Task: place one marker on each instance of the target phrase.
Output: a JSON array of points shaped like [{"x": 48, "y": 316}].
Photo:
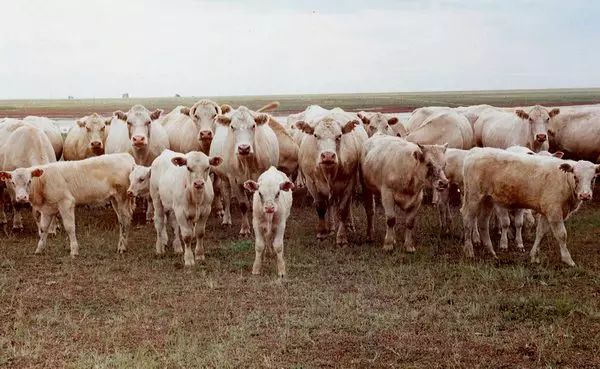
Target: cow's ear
[
  {"x": 286, "y": 186},
  {"x": 554, "y": 112},
  {"x": 81, "y": 122},
  {"x": 363, "y": 117},
  {"x": 551, "y": 133},
  {"x": 349, "y": 127},
  {"x": 261, "y": 119},
  {"x": 558, "y": 154},
  {"x": 185, "y": 111},
  {"x": 418, "y": 154},
  {"x": 37, "y": 172},
  {"x": 567, "y": 168},
  {"x": 223, "y": 120},
  {"x": 304, "y": 127},
  {"x": 156, "y": 114},
  {"x": 120, "y": 115},
  {"x": 598, "y": 169},
  {"x": 445, "y": 147},
  {"x": 108, "y": 121},
  {"x": 215, "y": 161},
  {"x": 5, "y": 176},
  {"x": 179, "y": 161},
  {"x": 393, "y": 120},
  {"x": 251, "y": 186},
  {"x": 521, "y": 114},
  {"x": 226, "y": 108}
]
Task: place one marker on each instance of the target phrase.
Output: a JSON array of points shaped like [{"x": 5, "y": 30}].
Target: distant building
[
  {"x": 70, "y": 97},
  {"x": 125, "y": 95},
  {"x": 177, "y": 95}
]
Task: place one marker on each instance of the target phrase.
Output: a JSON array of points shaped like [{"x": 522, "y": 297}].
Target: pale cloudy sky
[{"x": 102, "y": 48}]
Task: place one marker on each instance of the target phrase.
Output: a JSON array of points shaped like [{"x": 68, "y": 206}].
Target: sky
[{"x": 150, "y": 48}]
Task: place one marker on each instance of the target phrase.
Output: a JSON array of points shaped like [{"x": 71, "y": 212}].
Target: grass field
[
  {"x": 353, "y": 307},
  {"x": 384, "y": 102}
]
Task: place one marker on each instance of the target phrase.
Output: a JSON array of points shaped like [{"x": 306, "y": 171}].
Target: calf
[
  {"x": 181, "y": 189},
  {"x": 56, "y": 188},
  {"x": 398, "y": 171},
  {"x": 271, "y": 206},
  {"x": 552, "y": 187}
]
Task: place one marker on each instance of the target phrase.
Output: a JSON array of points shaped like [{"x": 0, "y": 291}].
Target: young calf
[
  {"x": 56, "y": 188},
  {"x": 180, "y": 185},
  {"x": 271, "y": 206}
]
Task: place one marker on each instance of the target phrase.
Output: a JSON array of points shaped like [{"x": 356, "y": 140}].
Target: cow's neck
[{"x": 141, "y": 155}]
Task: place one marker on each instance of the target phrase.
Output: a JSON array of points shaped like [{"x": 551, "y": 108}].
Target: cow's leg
[
  {"x": 409, "y": 224},
  {"x": 504, "y": 220},
  {"x": 177, "y": 248},
  {"x": 17, "y": 217},
  {"x": 331, "y": 217},
  {"x": 244, "y": 207},
  {"x": 227, "y": 193},
  {"x": 519, "y": 219},
  {"x": 469, "y": 214},
  {"x": 560, "y": 233},
  {"x": 259, "y": 248},
  {"x": 149, "y": 209},
  {"x": 343, "y": 215},
  {"x": 369, "y": 204},
  {"x": 540, "y": 231},
  {"x": 486, "y": 210},
  {"x": 67, "y": 213},
  {"x": 389, "y": 207},
  {"x": 217, "y": 203},
  {"x": 321, "y": 206},
  {"x": 3, "y": 219},
  {"x": 199, "y": 230},
  {"x": 187, "y": 233},
  {"x": 45, "y": 220},
  {"x": 123, "y": 207},
  {"x": 159, "y": 226},
  {"x": 278, "y": 248}
]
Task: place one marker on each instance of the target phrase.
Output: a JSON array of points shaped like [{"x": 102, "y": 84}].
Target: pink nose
[
  {"x": 269, "y": 209},
  {"x": 20, "y": 198},
  {"x": 540, "y": 138},
  {"x": 244, "y": 149},
  {"x": 442, "y": 184},
  {"x": 139, "y": 140},
  {"x": 129, "y": 194},
  {"x": 96, "y": 145},
  {"x": 585, "y": 196},
  {"x": 328, "y": 157},
  {"x": 198, "y": 185},
  {"x": 206, "y": 135}
]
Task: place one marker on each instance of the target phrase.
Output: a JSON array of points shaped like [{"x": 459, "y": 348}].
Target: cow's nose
[
  {"x": 540, "y": 138},
  {"x": 206, "y": 135},
  {"x": 138, "y": 140},
  {"x": 244, "y": 149},
  {"x": 21, "y": 198},
  {"x": 269, "y": 209},
  {"x": 129, "y": 193},
  {"x": 328, "y": 157},
  {"x": 198, "y": 185},
  {"x": 585, "y": 196},
  {"x": 442, "y": 184},
  {"x": 96, "y": 145}
]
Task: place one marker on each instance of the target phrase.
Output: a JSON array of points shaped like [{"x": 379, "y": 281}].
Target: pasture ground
[
  {"x": 382, "y": 102},
  {"x": 353, "y": 307}
]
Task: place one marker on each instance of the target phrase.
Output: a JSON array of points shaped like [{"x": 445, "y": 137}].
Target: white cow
[
  {"x": 86, "y": 138},
  {"x": 271, "y": 206}
]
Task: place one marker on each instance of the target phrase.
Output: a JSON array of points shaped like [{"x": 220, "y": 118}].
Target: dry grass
[
  {"x": 384, "y": 102},
  {"x": 354, "y": 307}
]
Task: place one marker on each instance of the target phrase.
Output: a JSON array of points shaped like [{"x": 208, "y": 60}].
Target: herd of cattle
[{"x": 193, "y": 161}]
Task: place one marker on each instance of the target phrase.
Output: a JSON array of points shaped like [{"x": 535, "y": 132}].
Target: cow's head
[
  {"x": 94, "y": 132},
  {"x": 242, "y": 128},
  {"x": 139, "y": 181},
  {"x": 584, "y": 173},
  {"x": 139, "y": 124},
  {"x": 432, "y": 162},
  {"x": 20, "y": 180},
  {"x": 198, "y": 167},
  {"x": 378, "y": 122},
  {"x": 268, "y": 188},
  {"x": 328, "y": 134},
  {"x": 203, "y": 113},
  {"x": 538, "y": 119}
]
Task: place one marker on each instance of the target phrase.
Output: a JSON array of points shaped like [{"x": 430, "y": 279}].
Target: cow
[
  {"x": 51, "y": 130},
  {"x": 86, "y": 138},
  {"x": 139, "y": 182},
  {"x": 398, "y": 171},
  {"x": 446, "y": 126},
  {"x": 25, "y": 147},
  {"x": 502, "y": 129},
  {"x": 552, "y": 187},
  {"x": 575, "y": 132},
  {"x": 329, "y": 160},
  {"x": 378, "y": 122},
  {"x": 249, "y": 147},
  {"x": 182, "y": 191},
  {"x": 271, "y": 207},
  {"x": 419, "y": 115},
  {"x": 56, "y": 188},
  {"x": 139, "y": 133}
]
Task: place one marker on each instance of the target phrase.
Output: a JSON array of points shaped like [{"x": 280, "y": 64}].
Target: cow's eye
[
  {"x": 338, "y": 137},
  {"x": 128, "y": 123},
  {"x": 102, "y": 129},
  {"x": 148, "y": 122},
  {"x": 189, "y": 169},
  {"x": 314, "y": 134},
  {"x": 141, "y": 179},
  {"x": 277, "y": 195}
]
